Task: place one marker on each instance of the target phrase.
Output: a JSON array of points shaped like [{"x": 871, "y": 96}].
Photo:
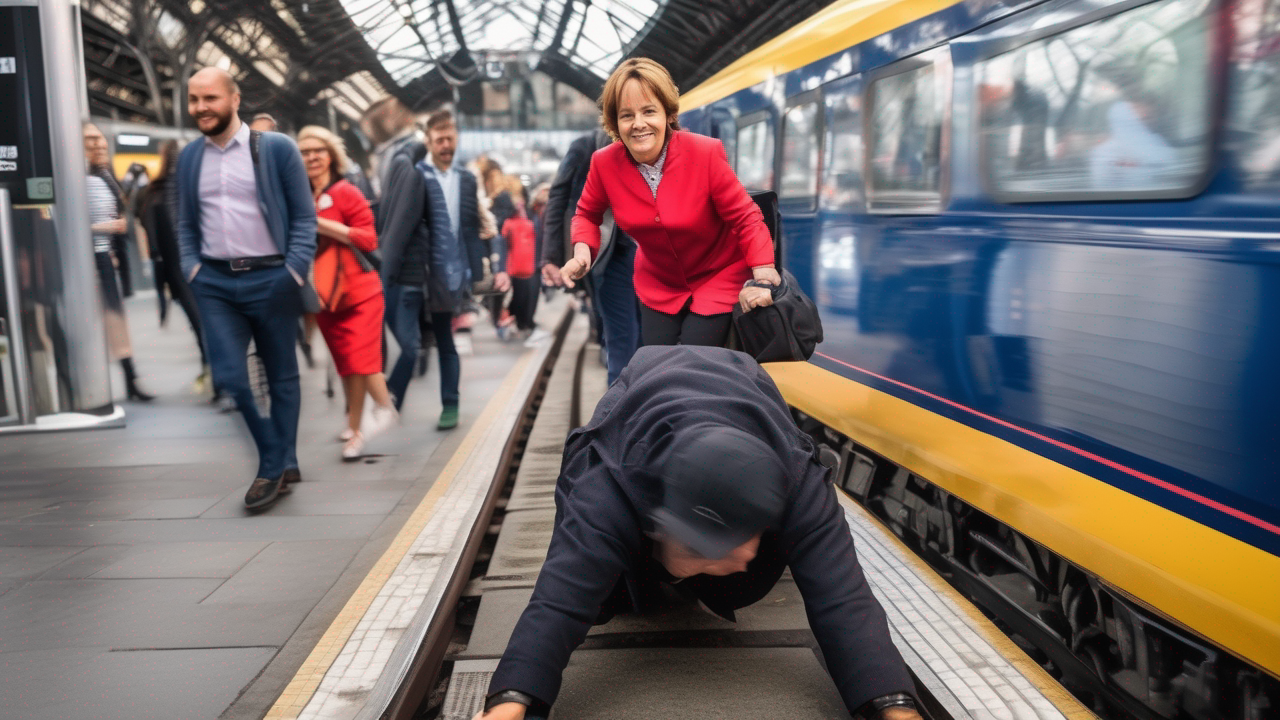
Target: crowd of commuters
[{"x": 258, "y": 236}]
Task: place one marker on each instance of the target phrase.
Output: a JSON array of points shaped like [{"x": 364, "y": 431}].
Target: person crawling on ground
[{"x": 692, "y": 482}]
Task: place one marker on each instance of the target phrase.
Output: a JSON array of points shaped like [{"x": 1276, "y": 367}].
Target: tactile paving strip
[
  {"x": 364, "y": 652},
  {"x": 946, "y": 646}
]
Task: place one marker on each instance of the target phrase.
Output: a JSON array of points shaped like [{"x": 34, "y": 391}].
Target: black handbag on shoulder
[{"x": 787, "y": 331}]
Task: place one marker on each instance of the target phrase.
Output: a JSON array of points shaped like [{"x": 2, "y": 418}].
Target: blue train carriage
[{"x": 1044, "y": 239}]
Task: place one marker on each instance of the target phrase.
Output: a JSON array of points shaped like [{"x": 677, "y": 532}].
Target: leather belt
[{"x": 246, "y": 263}]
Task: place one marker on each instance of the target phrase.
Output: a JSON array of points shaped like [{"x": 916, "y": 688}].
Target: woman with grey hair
[{"x": 349, "y": 288}]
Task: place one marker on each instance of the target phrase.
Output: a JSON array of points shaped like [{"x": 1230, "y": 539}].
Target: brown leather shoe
[
  {"x": 291, "y": 476},
  {"x": 263, "y": 492}
]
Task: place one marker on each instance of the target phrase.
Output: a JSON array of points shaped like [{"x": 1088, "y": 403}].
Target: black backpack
[{"x": 789, "y": 329}]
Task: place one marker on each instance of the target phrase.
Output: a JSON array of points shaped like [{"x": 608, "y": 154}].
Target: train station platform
[{"x": 134, "y": 584}]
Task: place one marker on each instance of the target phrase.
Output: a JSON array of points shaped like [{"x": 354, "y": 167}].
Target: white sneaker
[
  {"x": 539, "y": 335},
  {"x": 380, "y": 420},
  {"x": 346, "y": 434},
  {"x": 462, "y": 341},
  {"x": 354, "y": 449}
]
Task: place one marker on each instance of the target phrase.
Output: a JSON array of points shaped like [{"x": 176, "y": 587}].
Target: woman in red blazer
[
  {"x": 350, "y": 291},
  {"x": 699, "y": 236}
]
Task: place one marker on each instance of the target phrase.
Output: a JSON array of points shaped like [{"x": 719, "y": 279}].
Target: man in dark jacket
[
  {"x": 609, "y": 282},
  {"x": 691, "y": 478},
  {"x": 423, "y": 266}
]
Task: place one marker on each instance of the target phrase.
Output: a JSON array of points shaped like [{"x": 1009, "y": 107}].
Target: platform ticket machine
[{"x": 53, "y": 353}]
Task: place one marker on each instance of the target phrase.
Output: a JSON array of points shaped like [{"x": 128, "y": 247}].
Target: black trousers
[
  {"x": 684, "y": 328},
  {"x": 524, "y": 299}
]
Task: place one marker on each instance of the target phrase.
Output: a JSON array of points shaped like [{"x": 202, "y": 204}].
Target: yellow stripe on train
[
  {"x": 1223, "y": 589},
  {"x": 837, "y": 27}
]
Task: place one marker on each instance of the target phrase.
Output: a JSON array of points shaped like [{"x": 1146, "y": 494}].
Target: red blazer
[
  {"x": 351, "y": 209},
  {"x": 699, "y": 238}
]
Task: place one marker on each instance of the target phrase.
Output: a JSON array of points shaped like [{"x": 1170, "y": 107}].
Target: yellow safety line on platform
[
  {"x": 1036, "y": 675},
  {"x": 303, "y": 686}
]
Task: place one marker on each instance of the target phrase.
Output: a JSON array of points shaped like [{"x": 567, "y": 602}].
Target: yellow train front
[{"x": 1043, "y": 237}]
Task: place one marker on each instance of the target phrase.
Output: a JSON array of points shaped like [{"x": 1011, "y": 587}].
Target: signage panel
[{"x": 26, "y": 158}]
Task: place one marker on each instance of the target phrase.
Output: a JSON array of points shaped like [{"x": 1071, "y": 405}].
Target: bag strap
[
  {"x": 255, "y": 139},
  {"x": 366, "y": 265}
]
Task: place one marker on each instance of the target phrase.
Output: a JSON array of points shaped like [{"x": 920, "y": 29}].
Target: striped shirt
[{"x": 103, "y": 206}]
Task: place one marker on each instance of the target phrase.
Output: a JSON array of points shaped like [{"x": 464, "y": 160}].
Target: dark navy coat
[{"x": 609, "y": 484}]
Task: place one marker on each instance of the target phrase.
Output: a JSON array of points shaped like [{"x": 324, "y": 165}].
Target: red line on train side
[{"x": 1151, "y": 479}]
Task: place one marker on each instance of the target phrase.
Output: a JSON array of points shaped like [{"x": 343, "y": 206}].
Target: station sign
[{"x": 26, "y": 153}]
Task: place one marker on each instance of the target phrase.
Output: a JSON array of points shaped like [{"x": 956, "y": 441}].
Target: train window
[
  {"x": 842, "y": 177},
  {"x": 1255, "y": 102},
  {"x": 908, "y": 111},
  {"x": 1116, "y": 109},
  {"x": 725, "y": 129},
  {"x": 755, "y": 155},
  {"x": 800, "y": 141}
]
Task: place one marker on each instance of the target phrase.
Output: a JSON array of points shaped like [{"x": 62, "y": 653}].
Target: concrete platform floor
[{"x": 133, "y": 584}]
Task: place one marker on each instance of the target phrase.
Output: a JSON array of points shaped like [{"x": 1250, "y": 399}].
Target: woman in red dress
[
  {"x": 350, "y": 292},
  {"x": 699, "y": 236}
]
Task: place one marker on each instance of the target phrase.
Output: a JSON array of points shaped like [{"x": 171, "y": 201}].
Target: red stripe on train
[{"x": 1150, "y": 479}]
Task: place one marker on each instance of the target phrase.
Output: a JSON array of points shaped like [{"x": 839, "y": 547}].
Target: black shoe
[
  {"x": 131, "y": 382},
  {"x": 136, "y": 393},
  {"x": 263, "y": 492},
  {"x": 291, "y": 476}
]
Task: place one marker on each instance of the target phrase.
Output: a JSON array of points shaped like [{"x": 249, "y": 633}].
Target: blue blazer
[{"x": 284, "y": 194}]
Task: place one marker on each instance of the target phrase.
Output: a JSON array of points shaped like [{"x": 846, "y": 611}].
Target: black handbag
[{"x": 787, "y": 330}]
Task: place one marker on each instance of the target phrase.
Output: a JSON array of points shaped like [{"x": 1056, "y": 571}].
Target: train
[{"x": 1044, "y": 240}]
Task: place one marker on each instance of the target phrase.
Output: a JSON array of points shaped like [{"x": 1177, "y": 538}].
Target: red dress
[
  {"x": 352, "y": 326},
  {"x": 698, "y": 239}
]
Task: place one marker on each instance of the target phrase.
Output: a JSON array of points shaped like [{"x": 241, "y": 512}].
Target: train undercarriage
[{"x": 1114, "y": 653}]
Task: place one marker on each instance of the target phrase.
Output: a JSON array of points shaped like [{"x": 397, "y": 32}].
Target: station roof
[{"x": 291, "y": 54}]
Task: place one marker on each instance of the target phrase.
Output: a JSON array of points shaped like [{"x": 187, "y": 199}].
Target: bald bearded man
[{"x": 247, "y": 237}]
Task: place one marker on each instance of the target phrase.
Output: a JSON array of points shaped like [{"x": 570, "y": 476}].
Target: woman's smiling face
[{"x": 642, "y": 122}]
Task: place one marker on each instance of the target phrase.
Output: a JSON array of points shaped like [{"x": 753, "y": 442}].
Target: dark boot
[{"x": 131, "y": 382}]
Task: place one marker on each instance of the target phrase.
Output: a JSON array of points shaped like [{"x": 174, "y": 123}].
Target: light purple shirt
[{"x": 231, "y": 220}]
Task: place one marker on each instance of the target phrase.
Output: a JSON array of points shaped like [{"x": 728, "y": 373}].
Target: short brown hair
[
  {"x": 653, "y": 77},
  {"x": 439, "y": 119}
]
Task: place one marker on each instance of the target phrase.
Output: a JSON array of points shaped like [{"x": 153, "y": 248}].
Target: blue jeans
[
  {"x": 262, "y": 305},
  {"x": 619, "y": 309},
  {"x": 404, "y": 303}
]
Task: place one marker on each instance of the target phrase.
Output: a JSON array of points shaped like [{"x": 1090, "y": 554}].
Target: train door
[
  {"x": 837, "y": 244},
  {"x": 799, "y": 170},
  {"x": 916, "y": 265}
]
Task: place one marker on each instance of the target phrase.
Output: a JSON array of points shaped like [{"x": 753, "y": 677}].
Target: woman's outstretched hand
[{"x": 576, "y": 268}]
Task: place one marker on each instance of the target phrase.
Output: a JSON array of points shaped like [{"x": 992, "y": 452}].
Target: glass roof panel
[{"x": 410, "y": 36}]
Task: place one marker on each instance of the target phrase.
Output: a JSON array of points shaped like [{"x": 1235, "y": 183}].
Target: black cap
[{"x": 721, "y": 487}]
